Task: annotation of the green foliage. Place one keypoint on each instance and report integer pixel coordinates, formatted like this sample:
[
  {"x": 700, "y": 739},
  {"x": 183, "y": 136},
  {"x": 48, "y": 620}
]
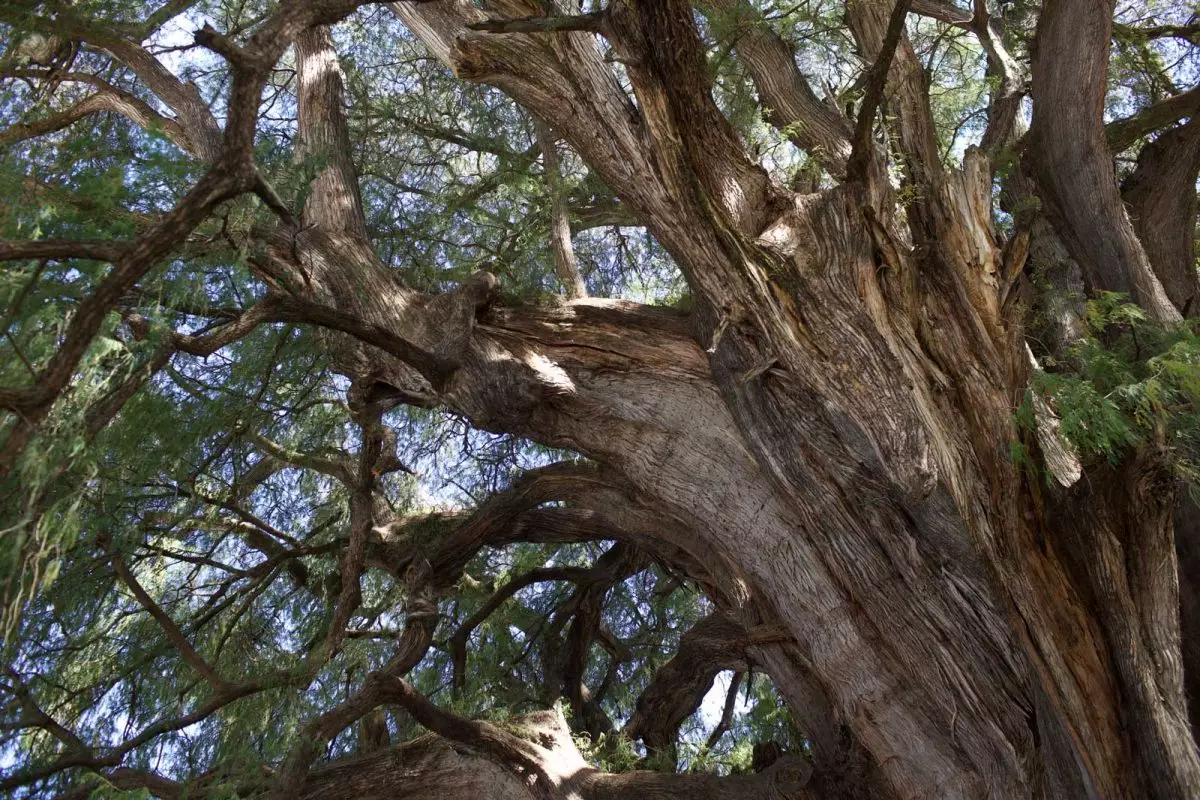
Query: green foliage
[
  {"x": 243, "y": 550},
  {"x": 1128, "y": 383},
  {"x": 609, "y": 753}
]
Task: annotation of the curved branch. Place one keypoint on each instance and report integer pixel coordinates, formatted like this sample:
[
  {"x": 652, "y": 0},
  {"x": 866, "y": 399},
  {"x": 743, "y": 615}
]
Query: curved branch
[
  {"x": 130, "y": 780},
  {"x": 1003, "y": 110},
  {"x": 1071, "y": 160},
  {"x": 184, "y": 99},
  {"x": 1133, "y": 33},
  {"x": 1122, "y": 133},
  {"x": 1161, "y": 195},
  {"x": 299, "y": 310},
  {"x": 492, "y": 740},
  {"x": 716, "y": 643},
  {"x": 414, "y": 643},
  {"x": 231, "y": 173},
  {"x": 458, "y": 642},
  {"x": 326, "y": 466},
  {"x": 109, "y": 98},
  {"x": 585, "y": 608},
  {"x": 944, "y": 11},
  {"x": 817, "y": 128}
]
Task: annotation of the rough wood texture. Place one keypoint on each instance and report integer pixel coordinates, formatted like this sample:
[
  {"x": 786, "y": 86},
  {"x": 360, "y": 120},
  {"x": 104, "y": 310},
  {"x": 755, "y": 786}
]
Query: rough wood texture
[
  {"x": 820, "y": 359},
  {"x": 823, "y": 443},
  {"x": 437, "y": 768},
  {"x": 1161, "y": 194},
  {"x": 1074, "y": 168}
]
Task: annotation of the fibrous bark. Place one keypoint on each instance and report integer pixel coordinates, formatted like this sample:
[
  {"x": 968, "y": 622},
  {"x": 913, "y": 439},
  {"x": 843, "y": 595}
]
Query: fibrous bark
[
  {"x": 822, "y": 444},
  {"x": 776, "y": 319}
]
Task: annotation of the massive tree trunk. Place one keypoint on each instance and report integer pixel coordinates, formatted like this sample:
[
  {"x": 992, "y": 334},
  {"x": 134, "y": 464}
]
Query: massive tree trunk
[
  {"x": 832, "y": 423},
  {"x": 823, "y": 443}
]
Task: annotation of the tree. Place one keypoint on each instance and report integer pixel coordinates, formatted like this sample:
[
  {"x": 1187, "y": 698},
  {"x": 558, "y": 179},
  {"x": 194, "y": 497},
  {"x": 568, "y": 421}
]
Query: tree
[{"x": 915, "y": 421}]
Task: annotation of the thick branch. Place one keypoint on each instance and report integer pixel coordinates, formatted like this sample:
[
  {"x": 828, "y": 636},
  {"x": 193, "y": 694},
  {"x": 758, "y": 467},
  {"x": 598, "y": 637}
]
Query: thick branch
[
  {"x": 1005, "y": 105},
  {"x": 1073, "y": 167},
  {"x": 560, "y": 227},
  {"x": 1133, "y": 33},
  {"x": 327, "y": 466},
  {"x": 1161, "y": 195},
  {"x": 108, "y": 99},
  {"x": 600, "y": 213},
  {"x": 714, "y": 644},
  {"x": 588, "y": 23},
  {"x": 860, "y": 155},
  {"x": 62, "y": 249},
  {"x": 944, "y": 11},
  {"x": 520, "y": 755},
  {"x": 1122, "y": 133},
  {"x": 791, "y": 105},
  {"x": 670, "y": 75},
  {"x": 299, "y": 310}
]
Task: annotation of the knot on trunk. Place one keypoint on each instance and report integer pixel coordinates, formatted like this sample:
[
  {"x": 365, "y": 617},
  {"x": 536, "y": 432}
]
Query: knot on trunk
[{"x": 448, "y": 319}]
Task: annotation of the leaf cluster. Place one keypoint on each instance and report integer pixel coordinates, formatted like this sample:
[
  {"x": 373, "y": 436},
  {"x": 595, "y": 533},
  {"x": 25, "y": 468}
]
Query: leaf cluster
[{"x": 1127, "y": 383}]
